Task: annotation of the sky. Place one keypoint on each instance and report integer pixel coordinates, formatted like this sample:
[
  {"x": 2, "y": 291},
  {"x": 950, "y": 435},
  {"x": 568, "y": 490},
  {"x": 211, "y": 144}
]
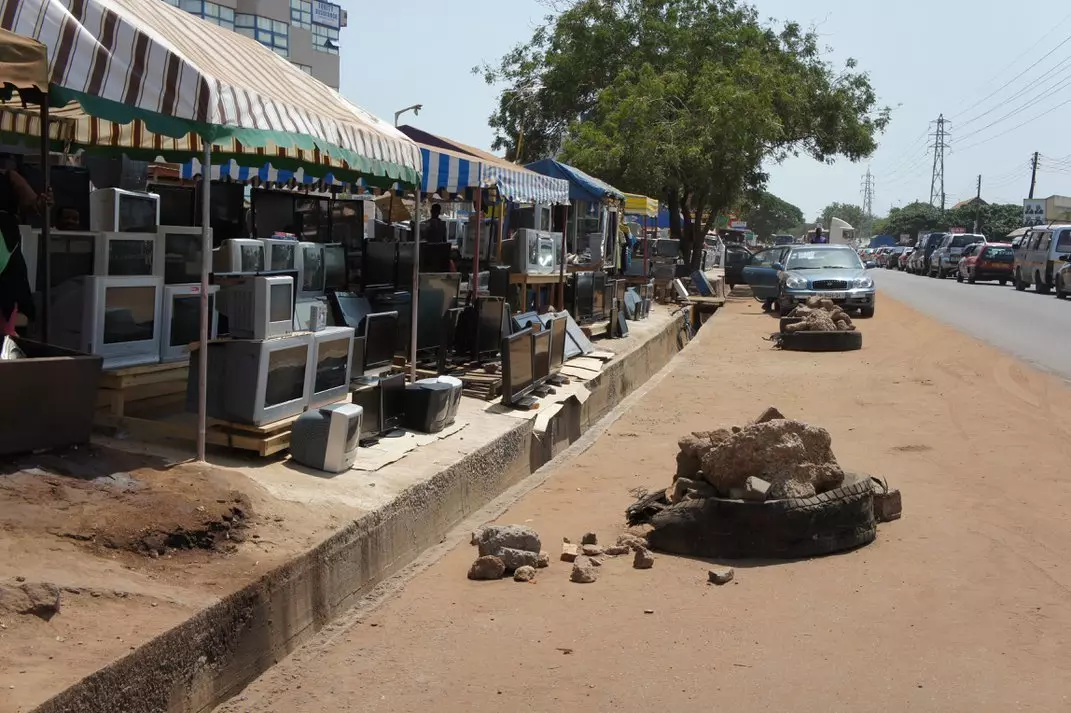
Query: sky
[{"x": 1000, "y": 74}]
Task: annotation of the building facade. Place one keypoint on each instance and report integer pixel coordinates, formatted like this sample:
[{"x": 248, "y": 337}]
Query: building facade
[{"x": 306, "y": 32}]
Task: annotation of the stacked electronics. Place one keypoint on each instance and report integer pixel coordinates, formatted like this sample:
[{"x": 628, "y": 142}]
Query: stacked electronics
[
  {"x": 533, "y": 252},
  {"x": 531, "y": 360},
  {"x": 663, "y": 259}
]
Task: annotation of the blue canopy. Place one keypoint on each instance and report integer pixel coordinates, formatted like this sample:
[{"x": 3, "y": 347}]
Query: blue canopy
[{"x": 582, "y": 187}]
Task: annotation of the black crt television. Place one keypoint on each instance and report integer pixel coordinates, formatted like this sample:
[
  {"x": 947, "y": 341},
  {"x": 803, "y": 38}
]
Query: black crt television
[
  {"x": 312, "y": 218},
  {"x": 178, "y": 203},
  {"x": 556, "y": 327},
  {"x": 585, "y": 295},
  {"x": 490, "y": 326},
  {"x": 379, "y": 335},
  {"x": 517, "y": 377},
  {"x": 541, "y": 344},
  {"x": 335, "y": 266},
  {"x": 438, "y": 293},
  {"x": 380, "y": 263},
  {"x": 226, "y": 209},
  {"x": 349, "y": 309},
  {"x": 392, "y": 402}
]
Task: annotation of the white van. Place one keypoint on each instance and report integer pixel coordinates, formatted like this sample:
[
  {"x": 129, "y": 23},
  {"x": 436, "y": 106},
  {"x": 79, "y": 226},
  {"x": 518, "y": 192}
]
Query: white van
[{"x": 1038, "y": 256}]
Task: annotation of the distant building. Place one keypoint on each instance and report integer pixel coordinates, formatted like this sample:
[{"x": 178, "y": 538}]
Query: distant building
[{"x": 972, "y": 201}]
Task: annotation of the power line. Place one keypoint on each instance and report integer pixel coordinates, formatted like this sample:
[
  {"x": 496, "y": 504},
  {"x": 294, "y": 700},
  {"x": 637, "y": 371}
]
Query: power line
[
  {"x": 1045, "y": 92},
  {"x": 1017, "y": 126},
  {"x": 1029, "y": 87}
]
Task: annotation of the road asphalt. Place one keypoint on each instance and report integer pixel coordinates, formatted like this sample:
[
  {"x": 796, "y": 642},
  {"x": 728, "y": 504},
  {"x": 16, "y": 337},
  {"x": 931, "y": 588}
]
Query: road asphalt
[{"x": 1036, "y": 328}]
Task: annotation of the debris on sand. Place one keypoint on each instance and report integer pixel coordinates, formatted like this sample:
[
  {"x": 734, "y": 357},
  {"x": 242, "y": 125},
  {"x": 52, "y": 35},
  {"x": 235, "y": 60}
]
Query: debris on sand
[
  {"x": 543, "y": 561},
  {"x": 584, "y": 571},
  {"x": 524, "y": 574},
  {"x": 820, "y": 315},
  {"x": 589, "y": 538},
  {"x": 40, "y": 599},
  {"x": 515, "y": 545},
  {"x": 643, "y": 559},
  {"x": 570, "y": 552},
  {"x": 723, "y": 575},
  {"x": 487, "y": 567}
]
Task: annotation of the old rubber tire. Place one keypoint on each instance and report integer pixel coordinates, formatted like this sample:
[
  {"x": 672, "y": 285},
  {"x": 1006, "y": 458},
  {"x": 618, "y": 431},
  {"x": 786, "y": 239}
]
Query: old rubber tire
[
  {"x": 837, "y": 520},
  {"x": 822, "y": 341}
]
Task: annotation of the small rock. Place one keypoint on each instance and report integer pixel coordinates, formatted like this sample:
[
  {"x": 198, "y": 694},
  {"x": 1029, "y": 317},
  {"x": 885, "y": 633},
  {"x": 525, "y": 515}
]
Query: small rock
[
  {"x": 596, "y": 561},
  {"x": 887, "y": 506},
  {"x": 589, "y": 538},
  {"x": 570, "y": 552},
  {"x": 566, "y": 540},
  {"x": 592, "y": 550},
  {"x": 783, "y": 489},
  {"x": 631, "y": 541},
  {"x": 39, "y": 599},
  {"x": 643, "y": 559},
  {"x": 515, "y": 559},
  {"x": 493, "y": 538},
  {"x": 770, "y": 414},
  {"x": 20, "y": 579},
  {"x": 648, "y": 611},
  {"x": 616, "y": 550},
  {"x": 584, "y": 572},
  {"x": 543, "y": 561},
  {"x": 487, "y": 567},
  {"x": 476, "y": 536},
  {"x": 524, "y": 574},
  {"x": 721, "y": 576},
  {"x": 756, "y": 489}
]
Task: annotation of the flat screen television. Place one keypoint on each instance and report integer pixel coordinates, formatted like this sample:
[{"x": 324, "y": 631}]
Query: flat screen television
[
  {"x": 182, "y": 319},
  {"x": 117, "y": 318},
  {"x": 255, "y": 381},
  {"x": 329, "y": 374},
  {"x": 114, "y": 210},
  {"x": 585, "y": 295},
  {"x": 379, "y": 336},
  {"x": 334, "y": 266},
  {"x": 517, "y": 375},
  {"x": 312, "y": 272},
  {"x": 541, "y": 343},
  {"x": 280, "y": 254},
  {"x": 238, "y": 256},
  {"x": 667, "y": 247},
  {"x": 311, "y": 218},
  {"x": 349, "y": 309},
  {"x": 392, "y": 402},
  {"x": 491, "y": 327},
  {"x": 178, "y": 204},
  {"x": 620, "y": 286},
  {"x": 327, "y": 438},
  {"x": 179, "y": 247},
  {"x": 258, "y": 307},
  {"x": 438, "y": 293},
  {"x": 556, "y": 327},
  {"x": 126, "y": 255},
  {"x": 380, "y": 263}
]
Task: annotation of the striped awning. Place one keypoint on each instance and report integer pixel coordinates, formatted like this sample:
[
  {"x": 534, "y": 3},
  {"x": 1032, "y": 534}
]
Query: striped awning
[
  {"x": 264, "y": 174},
  {"x": 520, "y": 185},
  {"x": 447, "y": 172},
  {"x": 122, "y": 60}
]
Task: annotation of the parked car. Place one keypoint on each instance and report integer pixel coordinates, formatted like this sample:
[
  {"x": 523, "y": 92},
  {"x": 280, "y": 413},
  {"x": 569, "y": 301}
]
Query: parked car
[
  {"x": 1039, "y": 255},
  {"x": 905, "y": 258},
  {"x": 924, "y": 252},
  {"x": 986, "y": 261},
  {"x": 803, "y": 271},
  {"x": 892, "y": 258},
  {"x": 1062, "y": 279},
  {"x": 945, "y": 258}
]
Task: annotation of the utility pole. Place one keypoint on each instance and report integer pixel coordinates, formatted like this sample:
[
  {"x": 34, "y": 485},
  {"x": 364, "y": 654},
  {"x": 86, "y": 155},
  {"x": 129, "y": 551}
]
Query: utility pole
[
  {"x": 1033, "y": 173},
  {"x": 977, "y": 204},
  {"x": 937, "y": 178},
  {"x": 868, "y": 204}
]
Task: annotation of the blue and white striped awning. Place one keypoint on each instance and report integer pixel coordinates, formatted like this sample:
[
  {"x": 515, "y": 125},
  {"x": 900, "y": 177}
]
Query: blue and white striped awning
[
  {"x": 520, "y": 185},
  {"x": 265, "y": 174},
  {"x": 447, "y": 172}
]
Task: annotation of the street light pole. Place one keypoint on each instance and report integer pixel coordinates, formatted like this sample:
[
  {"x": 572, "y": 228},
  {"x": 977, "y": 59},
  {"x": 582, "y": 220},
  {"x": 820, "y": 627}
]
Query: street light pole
[{"x": 415, "y": 109}]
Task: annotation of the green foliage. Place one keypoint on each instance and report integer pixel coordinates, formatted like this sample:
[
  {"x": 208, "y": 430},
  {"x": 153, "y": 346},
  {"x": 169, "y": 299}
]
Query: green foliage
[
  {"x": 766, "y": 214},
  {"x": 910, "y": 219},
  {"x": 683, "y": 99},
  {"x": 994, "y": 221},
  {"x": 845, "y": 211}
]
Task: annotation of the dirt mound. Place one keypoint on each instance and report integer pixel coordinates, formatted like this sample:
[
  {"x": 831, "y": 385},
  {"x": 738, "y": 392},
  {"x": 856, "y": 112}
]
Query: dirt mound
[{"x": 110, "y": 500}]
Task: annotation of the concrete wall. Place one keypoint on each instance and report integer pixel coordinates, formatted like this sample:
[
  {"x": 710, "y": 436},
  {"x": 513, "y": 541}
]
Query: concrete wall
[{"x": 199, "y": 664}]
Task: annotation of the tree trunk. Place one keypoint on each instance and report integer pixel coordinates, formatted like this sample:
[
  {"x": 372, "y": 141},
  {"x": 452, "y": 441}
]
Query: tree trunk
[
  {"x": 687, "y": 239},
  {"x": 673, "y": 201}
]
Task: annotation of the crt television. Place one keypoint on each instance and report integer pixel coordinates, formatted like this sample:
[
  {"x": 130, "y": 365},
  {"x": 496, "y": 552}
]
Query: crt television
[
  {"x": 311, "y": 270},
  {"x": 127, "y": 255},
  {"x": 177, "y": 203},
  {"x": 327, "y": 438},
  {"x": 280, "y": 254},
  {"x": 329, "y": 374},
  {"x": 117, "y": 318},
  {"x": 114, "y": 210},
  {"x": 335, "y": 266},
  {"x": 438, "y": 292},
  {"x": 238, "y": 255},
  {"x": 349, "y": 309},
  {"x": 259, "y": 307},
  {"x": 517, "y": 374},
  {"x": 181, "y": 318},
  {"x": 180, "y": 249}
]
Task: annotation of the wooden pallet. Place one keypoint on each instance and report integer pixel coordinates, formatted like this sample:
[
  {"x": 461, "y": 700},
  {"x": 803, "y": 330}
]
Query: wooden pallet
[
  {"x": 475, "y": 382},
  {"x": 264, "y": 440},
  {"x": 141, "y": 388}
]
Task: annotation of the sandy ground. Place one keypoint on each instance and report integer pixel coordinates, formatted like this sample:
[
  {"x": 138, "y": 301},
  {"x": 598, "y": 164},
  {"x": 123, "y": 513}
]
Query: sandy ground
[{"x": 959, "y": 606}]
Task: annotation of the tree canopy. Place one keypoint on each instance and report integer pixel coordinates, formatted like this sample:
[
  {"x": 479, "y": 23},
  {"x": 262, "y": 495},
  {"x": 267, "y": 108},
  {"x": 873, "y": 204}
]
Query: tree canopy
[
  {"x": 845, "y": 211},
  {"x": 683, "y": 99},
  {"x": 766, "y": 214}
]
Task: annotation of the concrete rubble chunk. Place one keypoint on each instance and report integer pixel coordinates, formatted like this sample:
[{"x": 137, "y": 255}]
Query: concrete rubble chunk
[
  {"x": 592, "y": 550},
  {"x": 756, "y": 489},
  {"x": 494, "y": 538},
  {"x": 784, "y": 489},
  {"x": 584, "y": 571},
  {"x": 570, "y": 551},
  {"x": 543, "y": 561},
  {"x": 615, "y": 550},
  {"x": 770, "y": 414},
  {"x": 487, "y": 567},
  {"x": 524, "y": 574},
  {"x": 888, "y": 506},
  {"x": 40, "y": 599},
  {"x": 722, "y": 575},
  {"x": 515, "y": 559},
  {"x": 475, "y": 540},
  {"x": 643, "y": 559},
  {"x": 631, "y": 541},
  {"x": 589, "y": 538}
]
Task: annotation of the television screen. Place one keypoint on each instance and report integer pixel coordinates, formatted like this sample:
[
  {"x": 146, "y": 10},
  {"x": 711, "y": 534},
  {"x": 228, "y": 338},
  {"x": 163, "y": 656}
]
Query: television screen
[
  {"x": 598, "y": 295},
  {"x": 310, "y": 216},
  {"x": 392, "y": 394},
  {"x": 335, "y": 266},
  {"x": 137, "y": 214},
  {"x": 541, "y": 354},
  {"x": 347, "y": 222},
  {"x": 667, "y": 247},
  {"x": 127, "y": 257},
  {"x": 176, "y": 203},
  {"x": 556, "y": 327},
  {"x": 490, "y": 334},
  {"x": 286, "y": 375},
  {"x": 520, "y": 361},
  {"x": 438, "y": 290},
  {"x": 129, "y": 314},
  {"x": 379, "y": 335},
  {"x": 280, "y": 303},
  {"x": 72, "y": 256},
  {"x": 252, "y": 257},
  {"x": 182, "y": 258},
  {"x": 186, "y": 319},
  {"x": 312, "y": 268},
  {"x": 283, "y": 255},
  {"x": 585, "y": 294},
  {"x": 380, "y": 262},
  {"x": 351, "y": 309},
  {"x": 331, "y": 364}
]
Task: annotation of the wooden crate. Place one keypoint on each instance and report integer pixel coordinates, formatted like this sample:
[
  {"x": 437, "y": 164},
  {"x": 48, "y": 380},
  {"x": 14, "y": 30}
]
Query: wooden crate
[
  {"x": 264, "y": 440},
  {"x": 141, "y": 388}
]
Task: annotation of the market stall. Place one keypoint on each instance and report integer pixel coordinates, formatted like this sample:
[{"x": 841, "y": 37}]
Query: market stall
[{"x": 646, "y": 209}]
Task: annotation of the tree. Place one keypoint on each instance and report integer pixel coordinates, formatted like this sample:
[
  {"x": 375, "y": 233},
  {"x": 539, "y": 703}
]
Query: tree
[
  {"x": 853, "y": 214},
  {"x": 767, "y": 214},
  {"x": 995, "y": 221},
  {"x": 683, "y": 99},
  {"x": 912, "y": 219}
]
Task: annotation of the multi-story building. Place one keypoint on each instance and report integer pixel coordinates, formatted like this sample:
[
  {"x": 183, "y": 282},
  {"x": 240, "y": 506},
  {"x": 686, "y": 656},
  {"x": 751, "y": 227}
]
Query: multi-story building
[{"x": 306, "y": 32}]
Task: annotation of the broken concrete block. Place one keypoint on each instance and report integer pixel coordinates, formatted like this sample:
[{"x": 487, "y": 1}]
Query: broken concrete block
[
  {"x": 643, "y": 559},
  {"x": 592, "y": 550},
  {"x": 887, "y": 506},
  {"x": 755, "y": 489},
  {"x": 495, "y": 537},
  {"x": 487, "y": 567},
  {"x": 515, "y": 559},
  {"x": 570, "y": 552},
  {"x": 615, "y": 550},
  {"x": 584, "y": 571},
  {"x": 544, "y": 560},
  {"x": 631, "y": 541},
  {"x": 524, "y": 574},
  {"x": 722, "y": 575}
]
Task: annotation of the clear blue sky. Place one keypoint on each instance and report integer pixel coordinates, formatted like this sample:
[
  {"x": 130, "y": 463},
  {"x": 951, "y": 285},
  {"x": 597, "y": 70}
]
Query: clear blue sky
[{"x": 924, "y": 58}]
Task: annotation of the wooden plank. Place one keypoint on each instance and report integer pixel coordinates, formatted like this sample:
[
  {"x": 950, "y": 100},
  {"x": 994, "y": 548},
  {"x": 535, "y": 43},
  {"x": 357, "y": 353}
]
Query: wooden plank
[
  {"x": 138, "y": 393},
  {"x": 147, "y": 374}
]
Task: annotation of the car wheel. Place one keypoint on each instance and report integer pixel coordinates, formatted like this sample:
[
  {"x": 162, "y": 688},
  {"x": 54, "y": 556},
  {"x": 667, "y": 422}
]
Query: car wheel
[
  {"x": 1060, "y": 294},
  {"x": 1019, "y": 284},
  {"x": 1040, "y": 285},
  {"x": 866, "y": 312},
  {"x": 971, "y": 278},
  {"x": 959, "y": 276},
  {"x": 1003, "y": 282}
]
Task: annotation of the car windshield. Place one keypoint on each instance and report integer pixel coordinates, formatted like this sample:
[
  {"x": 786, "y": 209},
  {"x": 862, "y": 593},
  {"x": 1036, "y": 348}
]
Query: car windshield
[
  {"x": 838, "y": 259},
  {"x": 962, "y": 241},
  {"x": 1002, "y": 254},
  {"x": 1063, "y": 245}
]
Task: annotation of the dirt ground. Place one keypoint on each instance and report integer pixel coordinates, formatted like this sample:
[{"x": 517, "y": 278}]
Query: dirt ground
[
  {"x": 959, "y": 606},
  {"x": 131, "y": 547}
]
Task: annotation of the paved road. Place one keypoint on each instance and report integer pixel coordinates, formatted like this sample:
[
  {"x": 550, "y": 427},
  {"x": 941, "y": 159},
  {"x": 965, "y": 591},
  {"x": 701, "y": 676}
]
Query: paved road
[{"x": 1033, "y": 327}]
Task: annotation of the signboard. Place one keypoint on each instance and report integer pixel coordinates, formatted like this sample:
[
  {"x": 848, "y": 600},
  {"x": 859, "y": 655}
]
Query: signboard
[
  {"x": 957, "y": 230},
  {"x": 738, "y": 225},
  {"x": 328, "y": 14},
  {"x": 1033, "y": 212}
]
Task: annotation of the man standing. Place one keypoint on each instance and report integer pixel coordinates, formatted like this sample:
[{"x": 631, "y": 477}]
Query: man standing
[{"x": 435, "y": 227}]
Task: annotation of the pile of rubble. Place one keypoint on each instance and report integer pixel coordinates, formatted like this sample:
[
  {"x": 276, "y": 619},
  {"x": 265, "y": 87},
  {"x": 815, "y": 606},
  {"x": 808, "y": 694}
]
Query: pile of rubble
[{"x": 819, "y": 315}]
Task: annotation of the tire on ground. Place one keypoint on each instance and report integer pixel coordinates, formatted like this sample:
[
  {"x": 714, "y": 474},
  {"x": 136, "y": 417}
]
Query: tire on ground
[
  {"x": 837, "y": 520},
  {"x": 822, "y": 341}
]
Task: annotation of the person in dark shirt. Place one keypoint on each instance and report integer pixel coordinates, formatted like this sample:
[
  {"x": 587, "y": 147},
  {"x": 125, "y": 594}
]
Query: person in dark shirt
[
  {"x": 435, "y": 228},
  {"x": 15, "y": 196}
]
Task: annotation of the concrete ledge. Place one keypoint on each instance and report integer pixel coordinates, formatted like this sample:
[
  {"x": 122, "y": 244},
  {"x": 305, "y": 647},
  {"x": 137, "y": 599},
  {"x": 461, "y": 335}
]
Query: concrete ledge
[{"x": 207, "y": 659}]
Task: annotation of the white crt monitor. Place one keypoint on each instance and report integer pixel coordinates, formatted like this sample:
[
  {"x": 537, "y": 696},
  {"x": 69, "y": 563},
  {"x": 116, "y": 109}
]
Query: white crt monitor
[
  {"x": 312, "y": 270},
  {"x": 238, "y": 256},
  {"x": 179, "y": 252},
  {"x": 329, "y": 376},
  {"x": 114, "y": 210},
  {"x": 280, "y": 255},
  {"x": 127, "y": 255},
  {"x": 259, "y": 307},
  {"x": 181, "y": 318}
]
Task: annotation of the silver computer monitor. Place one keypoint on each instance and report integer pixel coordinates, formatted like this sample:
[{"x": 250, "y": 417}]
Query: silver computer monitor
[
  {"x": 280, "y": 254},
  {"x": 258, "y": 307},
  {"x": 126, "y": 255},
  {"x": 180, "y": 253},
  {"x": 181, "y": 317},
  {"x": 238, "y": 255},
  {"x": 312, "y": 271},
  {"x": 119, "y": 211},
  {"x": 332, "y": 359}
]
